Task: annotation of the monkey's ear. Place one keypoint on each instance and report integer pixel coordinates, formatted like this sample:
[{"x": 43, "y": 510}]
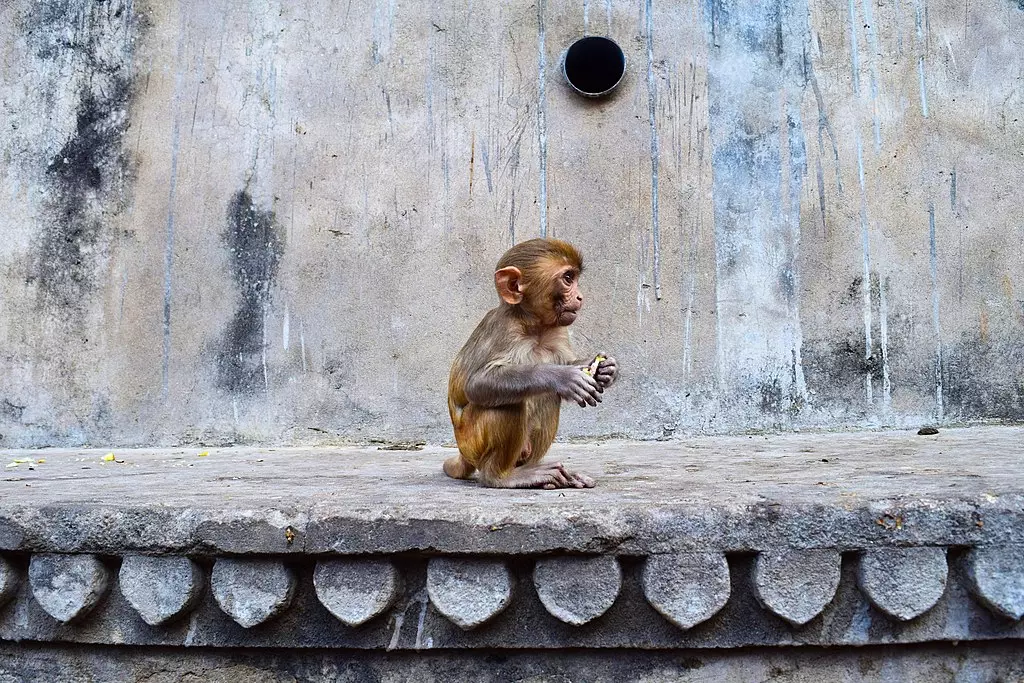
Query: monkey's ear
[{"x": 508, "y": 281}]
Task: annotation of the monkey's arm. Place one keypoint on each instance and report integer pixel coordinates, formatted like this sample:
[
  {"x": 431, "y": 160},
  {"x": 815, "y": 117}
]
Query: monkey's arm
[{"x": 498, "y": 385}]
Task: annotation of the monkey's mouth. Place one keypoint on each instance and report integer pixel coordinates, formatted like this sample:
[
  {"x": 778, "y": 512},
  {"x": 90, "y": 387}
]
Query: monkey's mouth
[{"x": 568, "y": 315}]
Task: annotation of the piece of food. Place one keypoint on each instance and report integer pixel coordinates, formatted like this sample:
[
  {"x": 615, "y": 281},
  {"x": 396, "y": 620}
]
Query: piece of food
[{"x": 593, "y": 366}]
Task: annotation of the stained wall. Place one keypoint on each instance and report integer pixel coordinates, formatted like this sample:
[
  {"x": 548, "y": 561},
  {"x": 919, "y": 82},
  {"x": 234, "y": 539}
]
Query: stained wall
[{"x": 277, "y": 221}]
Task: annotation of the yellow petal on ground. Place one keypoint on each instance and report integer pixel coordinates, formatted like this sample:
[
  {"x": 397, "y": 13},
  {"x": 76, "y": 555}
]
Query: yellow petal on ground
[
  {"x": 40, "y": 461},
  {"x": 22, "y": 460},
  {"x": 204, "y": 454},
  {"x": 109, "y": 457}
]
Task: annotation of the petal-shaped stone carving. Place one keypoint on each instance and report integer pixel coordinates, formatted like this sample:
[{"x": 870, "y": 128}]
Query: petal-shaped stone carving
[
  {"x": 797, "y": 584},
  {"x": 903, "y": 582},
  {"x": 577, "y": 589},
  {"x": 252, "y": 591},
  {"x": 356, "y": 590},
  {"x": 8, "y": 581},
  {"x": 996, "y": 577},
  {"x": 687, "y": 588},
  {"x": 67, "y": 587},
  {"x": 468, "y": 592},
  {"x": 161, "y": 588}
]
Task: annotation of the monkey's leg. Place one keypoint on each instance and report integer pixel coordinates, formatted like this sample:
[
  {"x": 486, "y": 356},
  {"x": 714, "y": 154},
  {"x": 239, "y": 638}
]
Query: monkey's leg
[
  {"x": 497, "y": 443},
  {"x": 543, "y": 417}
]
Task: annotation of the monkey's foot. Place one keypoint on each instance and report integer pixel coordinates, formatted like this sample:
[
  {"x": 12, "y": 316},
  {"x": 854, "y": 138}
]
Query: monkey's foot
[
  {"x": 457, "y": 468},
  {"x": 545, "y": 476}
]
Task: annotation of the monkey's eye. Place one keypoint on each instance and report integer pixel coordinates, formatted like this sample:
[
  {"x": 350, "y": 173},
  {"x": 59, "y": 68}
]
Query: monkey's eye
[{"x": 568, "y": 277}]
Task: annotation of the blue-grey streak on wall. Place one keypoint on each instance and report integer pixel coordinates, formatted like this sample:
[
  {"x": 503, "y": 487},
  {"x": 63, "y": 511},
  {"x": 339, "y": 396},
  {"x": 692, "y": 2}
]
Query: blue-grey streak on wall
[{"x": 756, "y": 75}]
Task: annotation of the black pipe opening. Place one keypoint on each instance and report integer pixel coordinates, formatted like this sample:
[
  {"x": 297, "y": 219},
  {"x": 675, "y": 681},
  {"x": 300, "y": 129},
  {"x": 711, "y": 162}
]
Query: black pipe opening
[{"x": 594, "y": 65}]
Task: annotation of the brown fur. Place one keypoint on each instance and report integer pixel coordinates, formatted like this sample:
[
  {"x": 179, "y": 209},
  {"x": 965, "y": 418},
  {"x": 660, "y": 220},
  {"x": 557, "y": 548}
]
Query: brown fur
[{"x": 496, "y": 439}]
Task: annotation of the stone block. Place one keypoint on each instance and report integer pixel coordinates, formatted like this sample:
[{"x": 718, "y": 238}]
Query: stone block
[
  {"x": 687, "y": 588},
  {"x": 796, "y": 585},
  {"x": 9, "y": 581},
  {"x": 252, "y": 591},
  {"x": 577, "y": 589},
  {"x": 68, "y": 587},
  {"x": 161, "y": 589},
  {"x": 996, "y": 577},
  {"x": 356, "y": 590},
  {"x": 903, "y": 582},
  {"x": 468, "y": 592}
]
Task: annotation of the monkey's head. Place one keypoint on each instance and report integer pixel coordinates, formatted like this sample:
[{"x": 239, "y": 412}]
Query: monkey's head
[{"x": 541, "y": 278}]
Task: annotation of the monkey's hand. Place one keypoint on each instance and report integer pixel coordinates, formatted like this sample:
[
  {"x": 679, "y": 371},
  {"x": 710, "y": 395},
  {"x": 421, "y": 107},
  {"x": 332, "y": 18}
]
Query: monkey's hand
[
  {"x": 607, "y": 370},
  {"x": 572, "y": 384}
]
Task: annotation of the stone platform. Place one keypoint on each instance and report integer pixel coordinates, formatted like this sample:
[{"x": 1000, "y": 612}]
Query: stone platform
[{"x": 823, "y": 540}]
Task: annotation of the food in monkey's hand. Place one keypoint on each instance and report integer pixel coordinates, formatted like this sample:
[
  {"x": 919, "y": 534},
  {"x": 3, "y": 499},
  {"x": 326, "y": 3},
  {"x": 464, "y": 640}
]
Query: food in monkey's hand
[{"x": 593, "y": 366}]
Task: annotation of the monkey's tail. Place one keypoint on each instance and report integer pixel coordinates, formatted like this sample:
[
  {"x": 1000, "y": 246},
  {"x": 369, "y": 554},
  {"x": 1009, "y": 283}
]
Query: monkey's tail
[{"x": 457, "y": 468}]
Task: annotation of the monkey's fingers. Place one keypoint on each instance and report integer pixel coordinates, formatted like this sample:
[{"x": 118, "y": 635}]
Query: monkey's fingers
[
  {"x": 557, "y": 475},
  {"x": 582, "y": 481},
  {"x": 607, "y": 373}
]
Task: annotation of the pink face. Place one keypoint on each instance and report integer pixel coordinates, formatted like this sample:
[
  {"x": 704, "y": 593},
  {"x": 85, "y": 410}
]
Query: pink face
[{"x": 568, "y": 300}]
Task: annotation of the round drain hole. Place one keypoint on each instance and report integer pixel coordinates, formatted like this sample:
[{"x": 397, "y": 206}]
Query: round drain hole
[{"x": 594, "y": 65}]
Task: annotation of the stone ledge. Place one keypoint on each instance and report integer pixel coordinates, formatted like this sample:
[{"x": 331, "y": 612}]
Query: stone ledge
[
  {"x": 733, "y": 542},
  {"x": 963, "y": 487}
]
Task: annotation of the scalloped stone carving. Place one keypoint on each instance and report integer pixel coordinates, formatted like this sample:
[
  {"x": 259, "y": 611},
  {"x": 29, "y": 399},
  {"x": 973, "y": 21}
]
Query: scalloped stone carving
[
  {"x": 687, "y": 588},
  {"x": 468, "y": 592},
  {"x": 996, "y": 578},
  {"x": 796, "y": 585},
  {"x": 356, "y": 590},
  {"x": 577, "y": 589},
  {"x": 68, "y": 587},
  {"x": 161, "y": 589},
  {"x": 252, "y": 591},
  {"x": 903, "y": 582},
  {"x": 9, "y": 581}
]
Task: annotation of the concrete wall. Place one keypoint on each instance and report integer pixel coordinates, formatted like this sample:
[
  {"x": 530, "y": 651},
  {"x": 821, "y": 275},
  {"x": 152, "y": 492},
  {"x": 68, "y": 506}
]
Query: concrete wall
[{"x": 277, "y": 221}]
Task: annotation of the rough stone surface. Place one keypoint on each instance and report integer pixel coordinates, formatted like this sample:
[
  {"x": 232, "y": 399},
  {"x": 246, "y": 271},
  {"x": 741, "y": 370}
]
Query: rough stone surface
[
  {"x": 687, "y": 588},
  {"x": 252, "y": 591},
  {"x": 996, "y": 577},
  {"x": 937, "y": 663},
  {"x": 964, "y": 487},
  {"x": 797, "y": 584},
  {"x": 903, "y": 582},
  {"x": 160, "y": 588},
  {"x": 68, "y": 587},
  {"x": 468, "y": 592},
  {"x": 356, "y": 591},
  {"x": 577, "y": 589},
  {"x": 9, "y": 581}
]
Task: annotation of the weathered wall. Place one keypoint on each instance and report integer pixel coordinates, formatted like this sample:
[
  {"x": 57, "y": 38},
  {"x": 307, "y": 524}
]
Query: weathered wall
[{"x": 277, "y": 221}]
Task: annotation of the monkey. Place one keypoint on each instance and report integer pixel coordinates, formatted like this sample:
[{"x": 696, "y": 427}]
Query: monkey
[{"x": 507, "y": 383}]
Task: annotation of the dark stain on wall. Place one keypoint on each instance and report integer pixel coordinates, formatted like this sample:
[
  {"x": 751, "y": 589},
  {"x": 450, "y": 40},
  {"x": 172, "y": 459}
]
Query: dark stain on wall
[
  {"x": 88, "y": 166},
  {"x": 835, "y": 366},
  {"x": 255, "y": 248},
  {"x": 984, "y": 379},
  {"x": 87, "y": 179}
]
